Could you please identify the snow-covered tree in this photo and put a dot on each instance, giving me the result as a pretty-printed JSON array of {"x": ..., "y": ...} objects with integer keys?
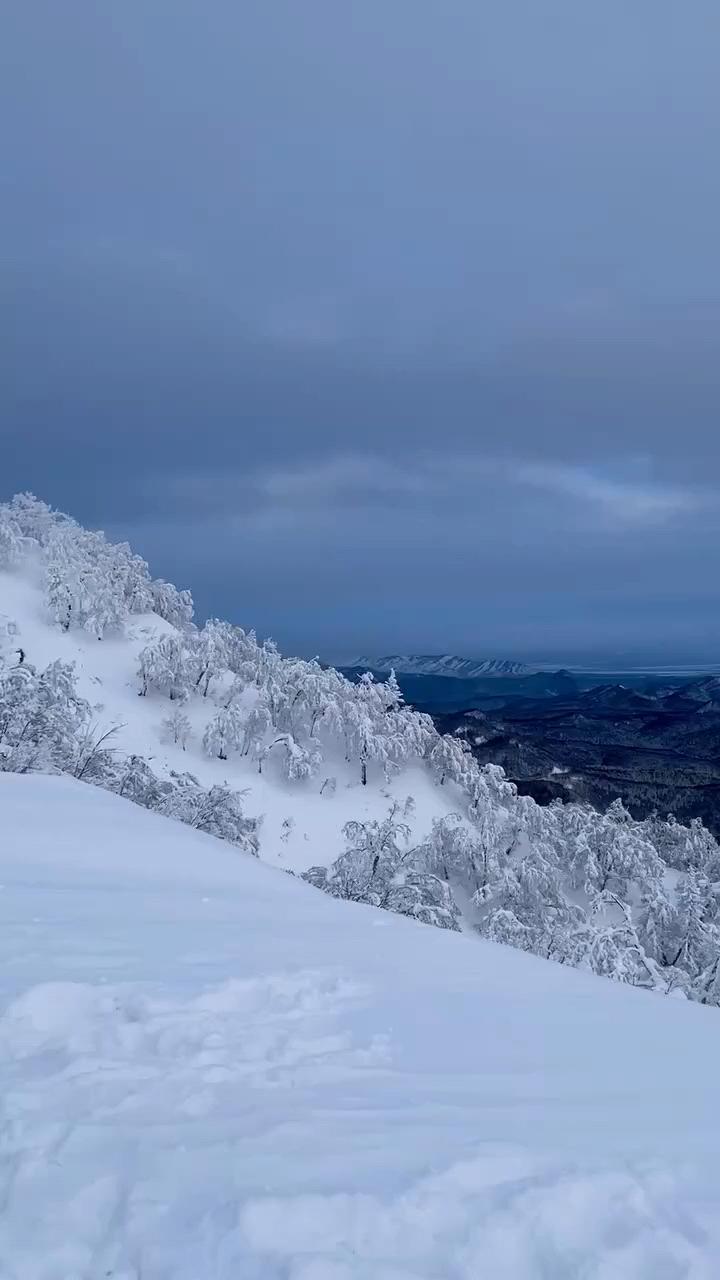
[
  {"x": 299, "y": 760},
  {"x": 211, "y": 654},
  {"x": 176, "y": 607},
  {"x": 374, "y": 852},
  {"x": 225, "y": 732},
  {"x": 86, "y": 580},
  {"x": 218, "y": 811},
  {"x": 176, "y": 728},
  {"x": 256, "y": 726},
  {"x": 166, "y": 666},
  {"x": 134, "y": 780},
  {"x": 34, "y": 519},
  {"x": 42, "y": 718},
  {"x": 11, "y": 540},
  {"x": 697, "y": 940},
  {"x": 609, "y": 851},
  {"x": 377, "y": 867},
  {"x": 450, "y": 759}
]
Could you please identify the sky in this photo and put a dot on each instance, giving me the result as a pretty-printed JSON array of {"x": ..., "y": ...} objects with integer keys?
[{"x": 384, "y": 326}]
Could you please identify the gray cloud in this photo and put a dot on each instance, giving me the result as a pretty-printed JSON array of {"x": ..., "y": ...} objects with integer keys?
[{"x": 382, "y": 325}]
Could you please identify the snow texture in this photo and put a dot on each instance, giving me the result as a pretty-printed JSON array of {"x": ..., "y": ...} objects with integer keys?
[{"x": 209, "y": 1070}]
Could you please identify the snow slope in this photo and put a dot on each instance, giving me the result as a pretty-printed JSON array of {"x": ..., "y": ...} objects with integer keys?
[
  {"x": 448, "y": 664},
  {"x": 107, "y": 677},
  {"x": 210, "y": 1071}
]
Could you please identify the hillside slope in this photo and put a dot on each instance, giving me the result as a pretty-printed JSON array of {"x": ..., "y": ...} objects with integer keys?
[
  {"x": 107, "y": 676},
  {"x": 208, "y": 1069}
]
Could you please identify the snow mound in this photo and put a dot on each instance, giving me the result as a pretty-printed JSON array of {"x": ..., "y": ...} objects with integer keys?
[{"x": 208, "y": 1069}]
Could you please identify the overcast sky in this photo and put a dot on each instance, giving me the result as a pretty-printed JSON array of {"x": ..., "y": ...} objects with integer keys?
[{"x": 381, "y": 324}]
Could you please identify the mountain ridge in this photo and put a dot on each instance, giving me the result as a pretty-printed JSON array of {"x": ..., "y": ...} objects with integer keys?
[{"x": 447, "y": 664}]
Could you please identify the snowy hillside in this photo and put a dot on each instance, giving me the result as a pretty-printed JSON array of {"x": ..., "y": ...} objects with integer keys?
[
  {"x": 105, "y": 677},
  {"x": 208, "y": 1071},
  {"x": 447, "y": 664},
  {"x": 300, "y": 825}
]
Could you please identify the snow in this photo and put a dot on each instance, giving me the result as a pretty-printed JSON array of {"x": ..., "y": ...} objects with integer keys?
[
  {"x": 211, "y": 1071},
  {"x": 107, "y": 677}
]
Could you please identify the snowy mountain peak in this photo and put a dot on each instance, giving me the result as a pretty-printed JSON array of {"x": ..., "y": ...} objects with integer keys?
[{"x": 448, "y": 664}]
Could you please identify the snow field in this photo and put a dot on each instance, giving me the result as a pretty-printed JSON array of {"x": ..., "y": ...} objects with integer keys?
[{"x": 210, "y": 1070}]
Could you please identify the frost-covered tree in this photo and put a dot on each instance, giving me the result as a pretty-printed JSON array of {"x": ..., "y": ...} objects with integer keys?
[
  {"x": 176, "y": 607},
  {"x": 86, "y": 580},
  {"x": 456, "y": 852},
  {"x": 299, "y": 760},
  {"x": 166, "y": 666},
  {"x": 450, "y": 759},
  {"x": 92, "y": 583},
  {"x": 176, "y": 728},
  {"x": 11, "y": 540},
  {"x": 134, "y": 780},
  {"x": 377, "y": 867},
  {"x": 211, "y": 654},
  {"x": 256, "y": 726},
  {"x": 696, "y": 939},
  {"x": 530, "y": 888},
  {"x": 374, "y": 852},
  {"x": 217, "y": 811},
  {"x": 224, "y": 734},
  {"x": 502, "y": 925},
  {"x": 33, "y": 518},
  {"x": 609, "y": 852},
  {"x": 42, "y": 718},
  {"x": 424, "y": 896}
]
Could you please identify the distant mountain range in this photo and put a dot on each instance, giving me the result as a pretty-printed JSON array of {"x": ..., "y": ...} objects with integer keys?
[
  {"x": 446, "y": 664},
  {"x": 658, "y": 748}
]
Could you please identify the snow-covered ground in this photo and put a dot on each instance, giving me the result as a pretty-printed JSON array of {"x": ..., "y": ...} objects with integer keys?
[
  {"x": 210, "y": 1070},
  {"x": 301, "y": 823}
]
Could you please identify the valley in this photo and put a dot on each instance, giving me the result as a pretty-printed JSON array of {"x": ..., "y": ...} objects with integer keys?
[
  {"x": 659, "y": 750},
  {"x": 648, "y": 735}
]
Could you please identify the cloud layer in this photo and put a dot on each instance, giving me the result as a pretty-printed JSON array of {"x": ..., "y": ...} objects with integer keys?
[{"x": 382, "y": 326}]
